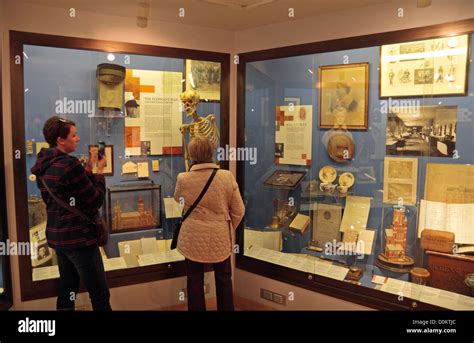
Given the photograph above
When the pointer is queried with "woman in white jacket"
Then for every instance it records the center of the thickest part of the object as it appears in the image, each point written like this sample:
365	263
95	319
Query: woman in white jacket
206	235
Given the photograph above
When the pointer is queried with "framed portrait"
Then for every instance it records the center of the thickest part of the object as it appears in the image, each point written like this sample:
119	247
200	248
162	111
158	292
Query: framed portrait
286	179
109	154
343	96
424	68
204	77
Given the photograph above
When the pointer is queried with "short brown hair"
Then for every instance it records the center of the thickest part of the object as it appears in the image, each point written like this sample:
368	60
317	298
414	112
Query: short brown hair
56	127
201	150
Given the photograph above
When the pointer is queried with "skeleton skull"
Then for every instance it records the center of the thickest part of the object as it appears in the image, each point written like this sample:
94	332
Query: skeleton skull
190	99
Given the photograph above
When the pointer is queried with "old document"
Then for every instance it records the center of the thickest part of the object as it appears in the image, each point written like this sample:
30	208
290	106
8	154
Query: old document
450	183
356	213
456	218
400	180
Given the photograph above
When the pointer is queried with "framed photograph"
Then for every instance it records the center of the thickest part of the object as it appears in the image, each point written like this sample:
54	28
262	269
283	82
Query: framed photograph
424	68
204	77
109	154
422	131
343	96
400	180
286	179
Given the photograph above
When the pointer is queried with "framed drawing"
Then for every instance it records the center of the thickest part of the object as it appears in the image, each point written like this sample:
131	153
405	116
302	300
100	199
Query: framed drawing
109	154
424	68
205	78
343	96
285	179
400	180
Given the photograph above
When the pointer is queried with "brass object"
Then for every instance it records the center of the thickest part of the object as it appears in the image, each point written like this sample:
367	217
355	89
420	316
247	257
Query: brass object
282	211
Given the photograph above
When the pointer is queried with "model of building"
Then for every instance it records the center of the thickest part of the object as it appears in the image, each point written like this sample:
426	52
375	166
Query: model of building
396	236
136	219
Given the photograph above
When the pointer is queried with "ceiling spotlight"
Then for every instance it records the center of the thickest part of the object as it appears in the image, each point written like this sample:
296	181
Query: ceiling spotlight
143	13
111	57
423	3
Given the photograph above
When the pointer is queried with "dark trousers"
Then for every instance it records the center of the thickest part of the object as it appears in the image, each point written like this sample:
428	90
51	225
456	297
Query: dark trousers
82	264
195	285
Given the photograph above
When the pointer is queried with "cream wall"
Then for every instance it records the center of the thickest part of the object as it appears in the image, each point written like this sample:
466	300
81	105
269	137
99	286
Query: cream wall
350	23
56	21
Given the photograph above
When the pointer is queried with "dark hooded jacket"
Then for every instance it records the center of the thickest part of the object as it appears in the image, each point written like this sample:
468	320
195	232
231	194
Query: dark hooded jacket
69	181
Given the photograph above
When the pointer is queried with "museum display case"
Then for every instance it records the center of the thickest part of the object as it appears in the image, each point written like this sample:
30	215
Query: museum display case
364	184
125	99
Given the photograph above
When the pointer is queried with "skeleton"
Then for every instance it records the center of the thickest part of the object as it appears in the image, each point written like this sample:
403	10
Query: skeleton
200	126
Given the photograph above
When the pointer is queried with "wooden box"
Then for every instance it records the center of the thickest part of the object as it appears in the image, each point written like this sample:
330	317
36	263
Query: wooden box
448	271
436	240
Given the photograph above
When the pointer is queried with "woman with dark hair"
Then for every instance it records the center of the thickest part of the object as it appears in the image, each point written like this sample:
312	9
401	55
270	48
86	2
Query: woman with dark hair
62	176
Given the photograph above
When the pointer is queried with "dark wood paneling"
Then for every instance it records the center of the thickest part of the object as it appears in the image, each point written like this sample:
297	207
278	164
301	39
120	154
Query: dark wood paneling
6	298
357	294
34	290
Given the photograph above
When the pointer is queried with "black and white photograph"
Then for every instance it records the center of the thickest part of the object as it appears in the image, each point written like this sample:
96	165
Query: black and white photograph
422	131
205	78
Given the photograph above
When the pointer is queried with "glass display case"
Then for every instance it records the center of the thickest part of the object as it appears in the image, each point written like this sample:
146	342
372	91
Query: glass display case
381	128
126	98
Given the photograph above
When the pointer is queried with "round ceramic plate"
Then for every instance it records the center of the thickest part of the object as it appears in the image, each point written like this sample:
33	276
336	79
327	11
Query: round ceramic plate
327	174
346	180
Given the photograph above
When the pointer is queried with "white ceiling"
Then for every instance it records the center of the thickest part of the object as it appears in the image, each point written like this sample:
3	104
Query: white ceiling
233	15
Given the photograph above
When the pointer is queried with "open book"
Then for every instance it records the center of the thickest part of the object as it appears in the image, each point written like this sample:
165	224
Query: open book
456	218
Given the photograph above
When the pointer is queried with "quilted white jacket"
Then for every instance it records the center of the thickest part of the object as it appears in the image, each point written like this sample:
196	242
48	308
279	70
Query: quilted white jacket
206	234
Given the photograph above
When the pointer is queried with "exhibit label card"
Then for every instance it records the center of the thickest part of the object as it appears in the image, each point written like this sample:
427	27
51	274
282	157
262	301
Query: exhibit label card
293	135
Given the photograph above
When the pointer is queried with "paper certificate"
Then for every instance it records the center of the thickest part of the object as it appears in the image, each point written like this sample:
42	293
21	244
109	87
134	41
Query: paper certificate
172	208
326	224
142	169
265	239
400	180
356	213
293	135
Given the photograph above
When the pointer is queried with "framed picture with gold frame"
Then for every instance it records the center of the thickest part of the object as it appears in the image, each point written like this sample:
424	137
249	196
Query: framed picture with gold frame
431	67
109	154
343	96
204	77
